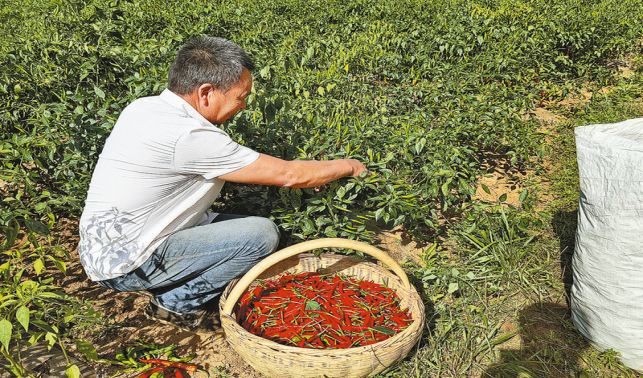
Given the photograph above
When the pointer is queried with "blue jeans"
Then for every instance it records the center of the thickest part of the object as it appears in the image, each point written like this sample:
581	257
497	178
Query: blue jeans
193	266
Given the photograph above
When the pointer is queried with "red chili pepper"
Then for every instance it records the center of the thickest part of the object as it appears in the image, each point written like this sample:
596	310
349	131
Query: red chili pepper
278	312
179	365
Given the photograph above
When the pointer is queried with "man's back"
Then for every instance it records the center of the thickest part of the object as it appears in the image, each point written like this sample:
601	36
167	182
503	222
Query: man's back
151	180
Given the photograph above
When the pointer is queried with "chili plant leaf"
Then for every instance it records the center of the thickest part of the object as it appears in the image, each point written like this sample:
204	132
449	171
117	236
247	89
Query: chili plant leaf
5	332
39	265
378	213
87	350
99	92
44	326
6	302
51	339
485	188
312	305
72	371
37	227
22	314
4	267
385	330
12	370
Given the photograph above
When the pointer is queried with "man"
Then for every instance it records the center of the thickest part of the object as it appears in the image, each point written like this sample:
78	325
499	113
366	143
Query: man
145	225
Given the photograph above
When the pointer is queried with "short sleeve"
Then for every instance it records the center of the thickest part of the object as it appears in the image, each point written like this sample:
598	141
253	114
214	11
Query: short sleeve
211	153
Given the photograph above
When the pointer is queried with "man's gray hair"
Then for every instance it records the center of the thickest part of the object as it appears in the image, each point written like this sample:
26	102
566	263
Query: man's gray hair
207	60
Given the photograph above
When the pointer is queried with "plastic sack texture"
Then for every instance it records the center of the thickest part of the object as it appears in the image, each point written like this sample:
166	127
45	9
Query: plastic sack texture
607	294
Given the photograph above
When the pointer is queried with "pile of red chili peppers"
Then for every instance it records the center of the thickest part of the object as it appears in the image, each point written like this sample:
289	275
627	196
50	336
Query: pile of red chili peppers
311	310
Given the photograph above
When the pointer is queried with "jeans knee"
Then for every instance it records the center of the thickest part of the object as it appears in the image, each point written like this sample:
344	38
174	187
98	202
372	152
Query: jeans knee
265	233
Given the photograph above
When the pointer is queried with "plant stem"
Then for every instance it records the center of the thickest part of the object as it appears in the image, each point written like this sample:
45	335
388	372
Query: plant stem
21	370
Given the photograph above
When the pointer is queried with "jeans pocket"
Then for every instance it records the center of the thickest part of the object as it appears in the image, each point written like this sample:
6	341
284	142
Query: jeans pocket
124	284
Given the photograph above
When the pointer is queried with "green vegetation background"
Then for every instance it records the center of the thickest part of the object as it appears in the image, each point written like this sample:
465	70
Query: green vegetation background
420	90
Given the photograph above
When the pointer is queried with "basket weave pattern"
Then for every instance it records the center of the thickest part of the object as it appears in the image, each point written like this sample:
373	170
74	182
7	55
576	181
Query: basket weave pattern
276	360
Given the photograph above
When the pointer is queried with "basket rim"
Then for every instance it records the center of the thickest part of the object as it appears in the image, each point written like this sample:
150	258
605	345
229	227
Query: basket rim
229	320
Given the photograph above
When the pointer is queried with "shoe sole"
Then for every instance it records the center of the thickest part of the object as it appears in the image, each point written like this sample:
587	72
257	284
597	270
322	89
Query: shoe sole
151	317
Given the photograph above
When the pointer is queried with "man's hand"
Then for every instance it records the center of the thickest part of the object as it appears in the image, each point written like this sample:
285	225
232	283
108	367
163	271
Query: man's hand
268	170
358	167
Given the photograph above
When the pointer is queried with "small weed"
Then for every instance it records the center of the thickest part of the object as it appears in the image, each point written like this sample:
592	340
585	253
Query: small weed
220	372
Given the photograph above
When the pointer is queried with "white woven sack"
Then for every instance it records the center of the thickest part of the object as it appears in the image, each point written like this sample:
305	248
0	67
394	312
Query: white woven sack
607	294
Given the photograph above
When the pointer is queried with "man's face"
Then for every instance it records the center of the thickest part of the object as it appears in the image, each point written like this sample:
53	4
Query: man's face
225	105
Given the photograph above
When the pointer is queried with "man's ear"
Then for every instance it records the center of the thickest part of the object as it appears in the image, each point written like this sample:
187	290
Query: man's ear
203	92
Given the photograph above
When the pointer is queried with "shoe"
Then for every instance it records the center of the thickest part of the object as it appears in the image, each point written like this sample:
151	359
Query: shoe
202	321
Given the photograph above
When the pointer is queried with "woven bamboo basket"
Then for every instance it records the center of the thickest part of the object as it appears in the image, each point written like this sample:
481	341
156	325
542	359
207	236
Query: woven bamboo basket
276	360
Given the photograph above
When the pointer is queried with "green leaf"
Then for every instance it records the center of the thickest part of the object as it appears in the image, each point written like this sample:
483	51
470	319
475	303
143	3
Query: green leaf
503	197
51	339
523	195
60	264
264	72
11	233
445	189
35	336
6	303
5	332
307	226
72	371
99	92
385	330
22	314
485	188
13	370
44	326
52	295
378	213
87	350
453	286
37	227
312	305
419	145
39	265
341	192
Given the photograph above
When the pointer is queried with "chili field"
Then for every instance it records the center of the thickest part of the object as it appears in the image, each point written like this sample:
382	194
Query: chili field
434	96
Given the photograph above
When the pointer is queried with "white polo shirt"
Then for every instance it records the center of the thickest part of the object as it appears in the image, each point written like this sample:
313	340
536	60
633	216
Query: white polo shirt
157	174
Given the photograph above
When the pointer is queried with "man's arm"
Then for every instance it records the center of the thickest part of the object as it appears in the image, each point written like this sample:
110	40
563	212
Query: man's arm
268	170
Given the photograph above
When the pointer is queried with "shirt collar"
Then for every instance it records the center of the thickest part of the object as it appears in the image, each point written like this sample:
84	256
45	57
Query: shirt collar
175	100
